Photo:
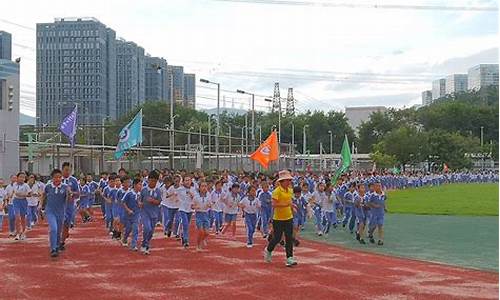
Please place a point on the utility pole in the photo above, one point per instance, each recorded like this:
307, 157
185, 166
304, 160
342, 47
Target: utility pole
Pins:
290, 103
172, 126
293, 147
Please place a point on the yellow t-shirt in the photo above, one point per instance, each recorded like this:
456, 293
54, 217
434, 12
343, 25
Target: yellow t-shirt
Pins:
282, 196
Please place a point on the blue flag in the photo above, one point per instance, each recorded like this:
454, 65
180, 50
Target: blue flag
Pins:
68, 126
130, 135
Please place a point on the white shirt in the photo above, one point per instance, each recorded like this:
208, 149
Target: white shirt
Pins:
250, 207
173, 200
9, 192
3, 199
185, 199
327, 204
202, 202
36, 191
21, 188
217, 200
231, 202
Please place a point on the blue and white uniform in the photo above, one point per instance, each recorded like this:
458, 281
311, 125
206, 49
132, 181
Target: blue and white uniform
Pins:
250, 207
186, 198
74, 187
217, 201
150, 211
202, 205
131, 200
55, 210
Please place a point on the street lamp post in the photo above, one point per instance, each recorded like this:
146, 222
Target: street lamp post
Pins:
189, 146
253, 123
331, 141
101, 168
293, 147
217, 128
304, 139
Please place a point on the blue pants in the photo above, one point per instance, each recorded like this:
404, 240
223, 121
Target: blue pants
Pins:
211, 218
331, 219
266, 218
12, 218
149, 221
1, 223
69, 214
168, 217
185, 219
109, 214
218, 220
349, 217
20, 207
32, 215
132, 226
55, 222
318, 219
177, 223
250, 221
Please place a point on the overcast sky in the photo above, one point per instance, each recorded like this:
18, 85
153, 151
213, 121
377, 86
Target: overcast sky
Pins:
332, 55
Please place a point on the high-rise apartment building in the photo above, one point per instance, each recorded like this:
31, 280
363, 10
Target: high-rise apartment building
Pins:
482, 75
426, 97
190, 90
438, 88
156, 79
456, 83
176, 80
5, 45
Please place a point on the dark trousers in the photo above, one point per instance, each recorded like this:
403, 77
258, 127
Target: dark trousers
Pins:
280, 227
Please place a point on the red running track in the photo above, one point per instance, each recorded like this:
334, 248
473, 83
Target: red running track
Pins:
95, 267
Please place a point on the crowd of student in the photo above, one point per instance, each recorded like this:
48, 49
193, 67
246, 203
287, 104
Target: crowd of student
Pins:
272, 205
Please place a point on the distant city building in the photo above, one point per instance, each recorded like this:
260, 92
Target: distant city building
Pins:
9, 118
357, 115
176, 75
482, 75
438, 88
130, 77
456, 83
5, 45
76, 64
190, 90
426, 97
156, 79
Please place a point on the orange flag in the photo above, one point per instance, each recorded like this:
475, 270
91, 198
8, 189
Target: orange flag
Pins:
267, 151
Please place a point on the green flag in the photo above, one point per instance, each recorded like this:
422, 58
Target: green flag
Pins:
346, 157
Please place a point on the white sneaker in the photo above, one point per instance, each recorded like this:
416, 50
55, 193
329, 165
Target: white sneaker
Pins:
17, 237
249, 245
22, 236
146, 252
143, 249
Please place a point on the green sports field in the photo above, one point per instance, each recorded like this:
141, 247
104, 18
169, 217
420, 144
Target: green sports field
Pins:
450, 224
451, 199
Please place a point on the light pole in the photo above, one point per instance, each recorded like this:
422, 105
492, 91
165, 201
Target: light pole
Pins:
101, 168
260, 133
304, 139
331, 141
252, 136
217, 128
243, 129
172, 136
189, 146
482, 131
293, 147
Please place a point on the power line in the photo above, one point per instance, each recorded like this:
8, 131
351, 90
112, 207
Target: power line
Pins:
17, 24
367, 5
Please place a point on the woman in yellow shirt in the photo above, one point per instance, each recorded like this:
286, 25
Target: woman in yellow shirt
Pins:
282, 218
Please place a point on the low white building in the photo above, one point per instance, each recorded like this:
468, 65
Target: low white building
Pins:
359, 114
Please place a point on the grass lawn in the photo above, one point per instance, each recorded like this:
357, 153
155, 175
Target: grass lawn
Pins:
451, 199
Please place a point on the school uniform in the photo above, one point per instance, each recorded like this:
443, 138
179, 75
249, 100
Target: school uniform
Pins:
266, 210
169, 206
119, 197
349, 216
319, 198
83, 202
106, 193
33, 201
9, 191
359, 211
149, 214
93, 186
55, 211
377, 213
202, 203
328, 209
74, 187
185, 210
231, 202
20, 204
131, 199
3, 204
299, 211
250, 206
217, 201
103, 183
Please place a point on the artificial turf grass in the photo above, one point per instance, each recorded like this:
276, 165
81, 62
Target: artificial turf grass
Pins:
479, 199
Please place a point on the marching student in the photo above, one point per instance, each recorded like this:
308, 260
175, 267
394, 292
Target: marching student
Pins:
83, 202
130, 203
115, 208
9, 192
186, 196
170, 203
307, 197
299, 210
72, 183
53, 202
316, 203
349, 217
328, 208
3, 202
376, 202
20, 205
217, 205
119, 196
359, 211
250, 206
282, 218
36, 188
103, 183
107, 192
265, 199
201, 205
93, 188
231, 201
150, 202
